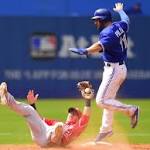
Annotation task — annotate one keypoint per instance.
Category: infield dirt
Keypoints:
(78, 147)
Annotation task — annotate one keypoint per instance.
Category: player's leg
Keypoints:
(106, 126)
(112, 79)
(107, 117)
(108, 89)
(40, 132)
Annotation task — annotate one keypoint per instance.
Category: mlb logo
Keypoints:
(43, 45)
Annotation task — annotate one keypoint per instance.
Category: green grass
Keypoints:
(13, 128)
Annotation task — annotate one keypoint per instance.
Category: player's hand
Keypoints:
(80, 51)
(118, 7)
(31, 97)
(85, 87)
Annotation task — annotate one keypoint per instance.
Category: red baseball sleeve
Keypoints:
(50, 122)
(83, 121)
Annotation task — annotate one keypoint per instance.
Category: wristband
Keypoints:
(33, 105)
(88, 103)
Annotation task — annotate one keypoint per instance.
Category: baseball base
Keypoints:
(91, 143)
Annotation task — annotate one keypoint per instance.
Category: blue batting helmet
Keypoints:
(102, 14)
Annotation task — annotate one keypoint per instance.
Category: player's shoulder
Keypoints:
(108, 31)
(121, 24)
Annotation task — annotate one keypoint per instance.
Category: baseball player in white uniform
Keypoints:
(41, 133)
(112, 44)
(51, 132)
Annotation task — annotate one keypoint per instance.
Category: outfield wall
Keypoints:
(57, 75)
(62, 7)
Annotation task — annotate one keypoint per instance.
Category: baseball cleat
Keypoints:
(102, 136)
(3, 93)
(57, 134)
(134, 118)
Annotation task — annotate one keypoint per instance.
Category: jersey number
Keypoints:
(123, 42)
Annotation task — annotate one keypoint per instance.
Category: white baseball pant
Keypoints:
(113, 77)
(40, 131)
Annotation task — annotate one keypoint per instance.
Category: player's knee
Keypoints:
(100, 102)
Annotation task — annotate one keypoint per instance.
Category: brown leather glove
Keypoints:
(85, 87)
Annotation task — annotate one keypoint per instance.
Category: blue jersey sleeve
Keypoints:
(124, 20)
(124, 26)
(124, 17)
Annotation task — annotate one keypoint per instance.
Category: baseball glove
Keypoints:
(85, 87)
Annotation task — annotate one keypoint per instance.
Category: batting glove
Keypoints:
(80, 51)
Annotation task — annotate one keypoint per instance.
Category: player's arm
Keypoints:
(87, 92)
(119, 8)
(32, 99)
(94, 48)
(87, 108)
